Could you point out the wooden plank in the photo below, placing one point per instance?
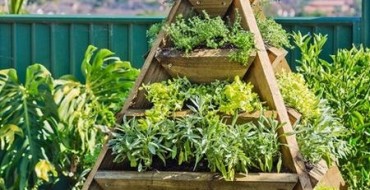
(262, 76)
(129, 180)
(183, 113)
(212, 7)
(203, 65)
(277, 58)
(322, 175)
(294, 115)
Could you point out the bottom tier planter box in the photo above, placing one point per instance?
(130, 180)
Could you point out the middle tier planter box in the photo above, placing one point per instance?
(202, 65)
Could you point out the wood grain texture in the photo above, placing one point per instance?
(294, 116)
(326, 176)
(114, 180)
(262, 76)
(277, 58)
(203, 65)
(243, 116)
(212, 7)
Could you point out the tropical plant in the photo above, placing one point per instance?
(88, 109)
(51, 129)
(29, 128)
(344, 83)
(203, 31)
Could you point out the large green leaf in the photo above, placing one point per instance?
(28, 120)
(88, 108)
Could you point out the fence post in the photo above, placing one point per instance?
(365, 22)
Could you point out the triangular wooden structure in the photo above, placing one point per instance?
(108, 175)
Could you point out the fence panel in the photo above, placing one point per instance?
(59, 42)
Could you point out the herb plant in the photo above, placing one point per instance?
(225, 97)
(344, 83)
(273, 33)
(297, 95)
(202, 135)
(319, 132)
(188, 34)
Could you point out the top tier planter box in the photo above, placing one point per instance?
(212, 7)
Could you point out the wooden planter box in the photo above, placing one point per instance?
(128, 180)
(202, 65)
(212, 7)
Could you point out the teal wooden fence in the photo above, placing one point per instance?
(59, 42)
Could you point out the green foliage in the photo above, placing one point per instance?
(53, 127)
(345, 85)
(166, 97)
(15, 6)
(29, 125)
(87, 109)
(152, 32)
(273, 33)
(228, 148)
(201, 135)
(238, 96)
(225, 97)
(297, 95)
(319, 132)
(203, 31)
(322, 137)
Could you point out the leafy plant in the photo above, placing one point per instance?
(28, 125)
(345, 85)
(169, 96)
(88, 109)
(153, 31)
(321, 138)
(319, 132)
(198, 32)
(50, 128)
(238, 96)
(296, 94)
(273, 33)
(14, 6)
(201, 135)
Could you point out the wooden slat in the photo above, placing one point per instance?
(117, 180)
(321, 174)
(262, 76)
(294, 115)
(212, 7)
(278, 61)
(252, 115)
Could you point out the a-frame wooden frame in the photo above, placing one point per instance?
(260, 74)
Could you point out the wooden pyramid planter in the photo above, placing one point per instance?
(109, 175)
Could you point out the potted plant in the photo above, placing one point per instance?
(205, 49)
